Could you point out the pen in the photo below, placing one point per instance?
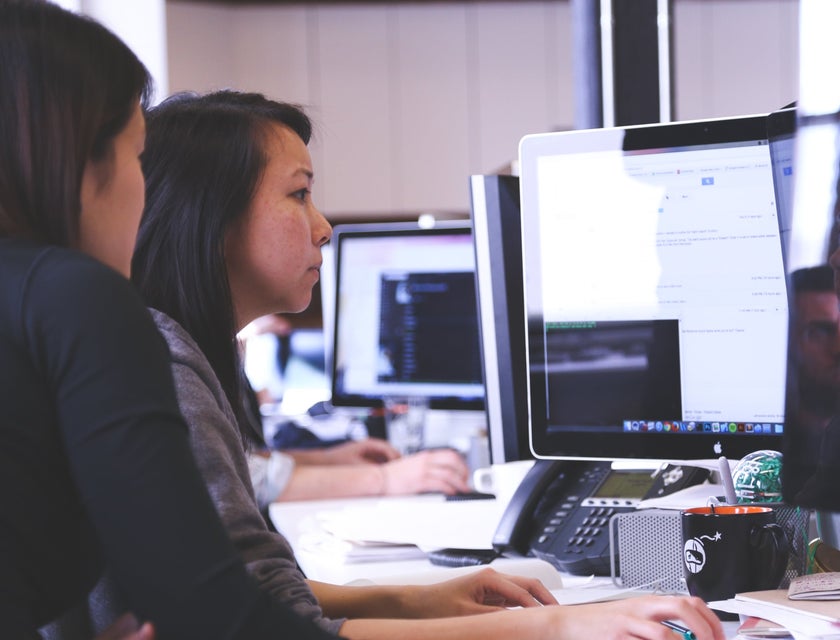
(687, 634)
(726, 480)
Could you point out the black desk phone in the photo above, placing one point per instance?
(561, 511)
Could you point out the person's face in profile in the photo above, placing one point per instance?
(112, 198)
(273, 251)
(834, 251)
(818, 330)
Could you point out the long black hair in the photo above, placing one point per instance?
(204, 157)
(67, 87)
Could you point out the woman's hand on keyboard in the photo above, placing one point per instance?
(480, 592)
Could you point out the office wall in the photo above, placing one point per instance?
(411, 98)
(140, 23)
(734, 57)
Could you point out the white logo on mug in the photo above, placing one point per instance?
(694, 553)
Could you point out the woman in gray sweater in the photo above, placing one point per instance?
(230, 234)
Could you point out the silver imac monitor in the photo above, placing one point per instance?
(655, 291)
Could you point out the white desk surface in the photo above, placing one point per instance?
(296, 520)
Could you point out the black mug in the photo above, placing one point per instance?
(731, 549)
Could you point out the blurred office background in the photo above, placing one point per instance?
(411, 98)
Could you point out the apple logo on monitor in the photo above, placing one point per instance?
(717, 448)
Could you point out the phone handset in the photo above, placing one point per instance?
(515, 529)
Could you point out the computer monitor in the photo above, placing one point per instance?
(811, 467)
(404, 315)
(494, 201)
(654, 290)
(327, 292)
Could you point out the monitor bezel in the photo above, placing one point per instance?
(343, 232)
(616, 445)
(494, 209)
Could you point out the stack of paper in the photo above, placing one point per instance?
(428, 524)
(351, 551)
(816, 586)
(405, 529)
(531, 567)
(806, 618)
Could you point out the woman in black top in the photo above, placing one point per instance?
(95, 464)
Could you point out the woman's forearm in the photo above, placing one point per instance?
(638, 617)
(311, 482)
(503, 624)
(373, 601)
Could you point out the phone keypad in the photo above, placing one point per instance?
(573, 534)
(591, 526)
(584, 529)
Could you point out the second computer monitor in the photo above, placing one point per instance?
(496, 221)
(405, 319)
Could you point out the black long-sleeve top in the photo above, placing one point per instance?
(95, 463)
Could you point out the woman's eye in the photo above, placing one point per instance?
(301, 194)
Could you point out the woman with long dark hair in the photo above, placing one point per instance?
(230, 233)
(95, 465)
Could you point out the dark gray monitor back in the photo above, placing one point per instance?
(498, 250)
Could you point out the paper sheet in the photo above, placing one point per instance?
(802, 619)
(327, 545)
(433, 524)
(531, 567)
(816, 586)
(694, 496)
(584, 595)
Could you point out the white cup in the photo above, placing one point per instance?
(501, 480)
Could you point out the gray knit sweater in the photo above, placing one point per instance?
(220, 453)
